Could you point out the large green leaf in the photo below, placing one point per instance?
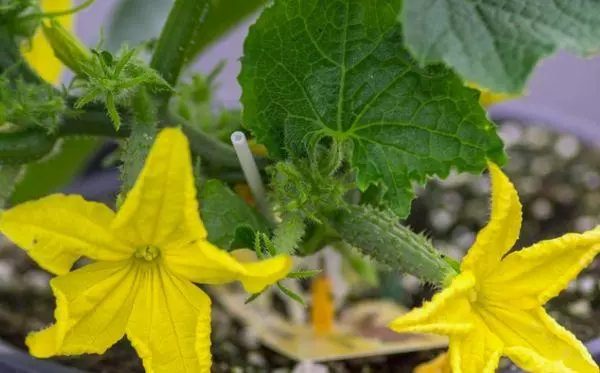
(55, 172)
(497, 43)
(317, 70)
(227, 217)
(222, 17)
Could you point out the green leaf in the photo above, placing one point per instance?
(136, 21)
(222, 17)
(290, 293)
(497, 43)
(223, 212)
(289, 233)
(243, 238)
(55, 172)
(253, 297)
(322, 71)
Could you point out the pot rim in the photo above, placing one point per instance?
(586, 130)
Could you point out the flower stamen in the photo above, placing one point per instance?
(147, 252)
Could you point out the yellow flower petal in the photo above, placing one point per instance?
(93, 307)
(501, 233)
(170, 325)
(39, 54)
(162, 207)
(58, 229)
(477, 351)
(488, 98)
(205, 263)
(441, 364)
(260, 274)
(532, 362)
(447, 313)
(538, 273)
(535, 331)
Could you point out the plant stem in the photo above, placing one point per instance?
(139, 141)
(9, 177)
(379, 235)
(11, 59)
(170, 55)
(94, 121)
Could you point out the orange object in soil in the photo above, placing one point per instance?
(323, 309)
(243, 190)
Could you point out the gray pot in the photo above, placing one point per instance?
(15, 361)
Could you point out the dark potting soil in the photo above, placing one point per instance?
(558, 179)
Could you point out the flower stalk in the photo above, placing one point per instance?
(170, 55)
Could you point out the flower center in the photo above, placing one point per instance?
(147, 252)
(473, 296)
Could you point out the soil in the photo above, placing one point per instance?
(558, 179)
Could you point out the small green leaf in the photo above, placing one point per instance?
(107, 58)
(290, 293)
(113, 113)
(326, 71)
(497, 43)
(288, 233)
(254, 296)
(243, 238)
(223, 212)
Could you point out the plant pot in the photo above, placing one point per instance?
(15, 361)
(103, 184)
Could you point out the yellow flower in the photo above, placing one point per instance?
(488, 98)
(39, 54)
(440, 364)
(494, 306)
(146, 257)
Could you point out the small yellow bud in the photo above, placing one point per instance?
(488, 98)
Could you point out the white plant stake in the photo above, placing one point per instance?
(240, 144)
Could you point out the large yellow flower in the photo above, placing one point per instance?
(39, 54)
(494, 307)
(146, 257)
